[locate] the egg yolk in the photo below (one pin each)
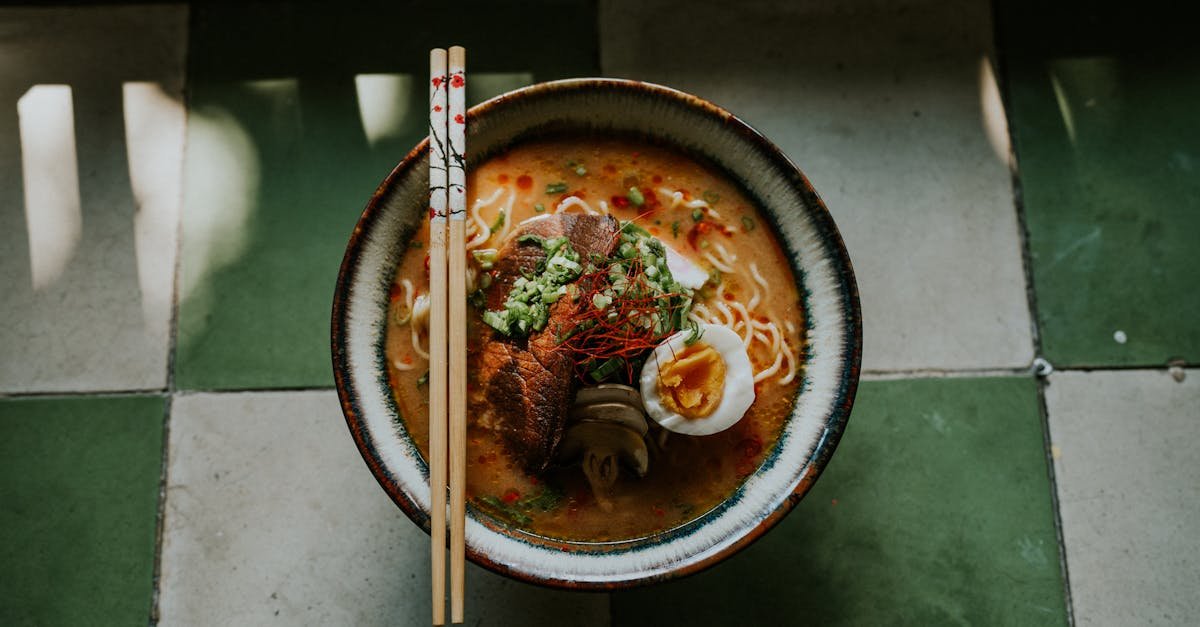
(692, 383)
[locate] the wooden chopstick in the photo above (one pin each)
(437, 328)
(458, 328)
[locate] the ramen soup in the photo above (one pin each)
(635, 338)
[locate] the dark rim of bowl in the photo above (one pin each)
(835, 424)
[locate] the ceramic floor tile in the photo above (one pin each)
(891, 111)
(1128, 472)
(272, 515)
(935, 510)
(91, 148)
(1106, 133)
(297, 112)
(80, 501)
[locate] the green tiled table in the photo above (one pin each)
(935, 510)
(223, 152)
(80, 508)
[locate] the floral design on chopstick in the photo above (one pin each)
(437, 146)
(457, 144)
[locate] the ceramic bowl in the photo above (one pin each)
(806, 230)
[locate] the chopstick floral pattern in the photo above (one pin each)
(437, 147)
(457, 160)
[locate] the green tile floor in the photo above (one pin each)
(974, 485)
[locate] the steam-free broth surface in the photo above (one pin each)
(693, 209)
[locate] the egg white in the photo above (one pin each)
(738, 392)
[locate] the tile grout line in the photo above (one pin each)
(172, 340)
(1039, 368)
(867, 375)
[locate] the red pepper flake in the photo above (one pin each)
(750, 446)
(482, 459)
(729, 296)
(650, 199)
(510, 496)
(395, 292)
(658, 511)
(503, 178)
(654, 231)
(524, 181)
(620, 202)
(407, 359)
(656, 179)
(696, 232)
(426, 265)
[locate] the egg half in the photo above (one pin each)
(698, 389)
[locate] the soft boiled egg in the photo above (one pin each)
(699, 388)
(684, 271)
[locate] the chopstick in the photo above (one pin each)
(437, 328)
(458, 328)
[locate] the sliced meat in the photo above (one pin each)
(526, 384)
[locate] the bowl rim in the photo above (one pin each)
(852, 345)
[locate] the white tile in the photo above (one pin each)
(1128, 472)
(887, 108)
(271, 514)
(91, 154)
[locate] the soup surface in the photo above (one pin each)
(691, 208)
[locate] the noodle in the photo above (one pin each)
(575, 201)
(483, 232)
(716, 263)
(759, 281)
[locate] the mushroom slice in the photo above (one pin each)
(603, 447)
(608, 393)
(627, 416)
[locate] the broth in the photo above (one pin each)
(712, 223)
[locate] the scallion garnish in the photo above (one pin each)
(556, 188)
(635, 196)
(748, 223)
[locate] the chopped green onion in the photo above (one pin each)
(604, 370)
(748, 223)
(485, 257)
(697, 215)
(600, 301)
(423, 379)
(556, 188)
(580, 170)
(540, 208)
(415, 244)
(635, 196)
(675, 229)
(499, 223)
(711, 197)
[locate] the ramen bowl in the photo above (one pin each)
(804, 228)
